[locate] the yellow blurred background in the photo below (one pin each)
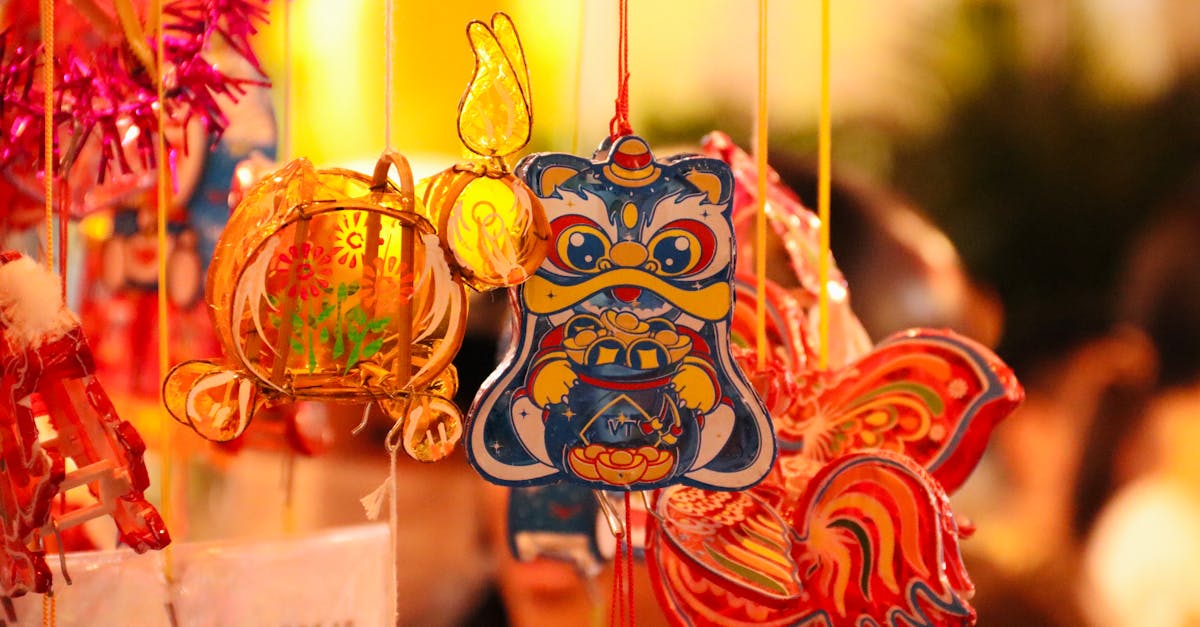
(688, 61)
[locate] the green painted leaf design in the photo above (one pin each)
(371, 348)
(324, 314)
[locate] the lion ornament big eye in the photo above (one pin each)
(580, 247)
(683, 247)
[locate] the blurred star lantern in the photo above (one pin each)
(330, 285)
(491, 221)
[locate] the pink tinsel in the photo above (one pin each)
(105, 88)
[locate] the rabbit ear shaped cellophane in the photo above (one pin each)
(492, 225)
(495, 115)
(330, 285)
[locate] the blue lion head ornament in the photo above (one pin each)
(620, 375)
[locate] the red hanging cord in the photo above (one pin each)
(616, 615)
(629, 559)
(619, 126)
(622, 608)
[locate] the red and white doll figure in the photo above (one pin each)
(53, 409)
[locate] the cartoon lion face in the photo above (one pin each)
(621, 376)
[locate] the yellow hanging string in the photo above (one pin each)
(760, 157)
(388, 70)
(576, 104)
(49, 610)
(824, 140)
(393, 445)
(285, 142)
(48, 119)
(289, 462)
(49, 603)
(164, 182)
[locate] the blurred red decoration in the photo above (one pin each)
(46, 370)
(853, 525)
(105, 90)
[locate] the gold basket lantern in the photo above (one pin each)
(330, 285)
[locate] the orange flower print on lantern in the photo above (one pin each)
(350, 238)
(337, 286)
(621, 466)
(308, 268)
(386, 280)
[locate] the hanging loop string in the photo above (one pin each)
(616, 612)
(578, 94)
(620, 126)
(49, 603)
(47, 14)
(285, 141)
(388, 70)
(164, 183)
(824, 142)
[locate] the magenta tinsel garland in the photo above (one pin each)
(97, 90)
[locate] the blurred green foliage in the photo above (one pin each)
(1041, 180)
(1039, 175)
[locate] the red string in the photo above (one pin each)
(629, 558)
(622, 610)
(619, 126)
(616, 616)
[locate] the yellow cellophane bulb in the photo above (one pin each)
(495, 115)
(494, 226)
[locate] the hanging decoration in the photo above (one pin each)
(561, 521)
(121, 280)
(46, 373)
(353, 290)
(922, 400)
(329, 285)
(855, 506)
(107, 59)
(622, 376)
(871, 540)
(493, 224)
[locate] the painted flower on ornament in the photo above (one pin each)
(307, 266)
(350, 238)
(386, 278)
